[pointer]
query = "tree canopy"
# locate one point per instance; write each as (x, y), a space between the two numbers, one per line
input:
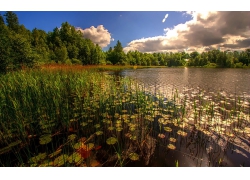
(20, 47)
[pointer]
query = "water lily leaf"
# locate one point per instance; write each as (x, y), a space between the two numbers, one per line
(171, 146)
(45, 139)
(72, 137)
(98, 133)
(172, 139)
(55, 153)
(168, 129)
(126, 121)
(118, 122)
(84, 124)
(111, 140)
(132, 128)
(124, 111)
(75, 158)
(161, 120)
(38, 158)
(61, 160)
(111, 128)
(119, 129)
(77, 145)
(97, 126)
(161, 136)
(133, 156)
(133, 138)
(182, 133)
(73, 120)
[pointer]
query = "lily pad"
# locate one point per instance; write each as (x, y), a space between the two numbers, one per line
(182, 133)
(119, 129)
(133, 138)
(38, 158)
(111, 128)
(45, 139)
(172, 139)
(72, 137)
(84, 124)
(61, 160)
(161, 120)
(171, 146)
(98, 133)
(134, 156)
(75, 158)
(97, 126)
(161, 136)
(168, 129)
(77, 145)
(111, 140)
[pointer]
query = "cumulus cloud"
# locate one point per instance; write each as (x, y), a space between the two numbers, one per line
(98, 35)
(164, 19)
(205, 30)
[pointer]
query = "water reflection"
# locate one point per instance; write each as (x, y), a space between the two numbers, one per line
(231, 81)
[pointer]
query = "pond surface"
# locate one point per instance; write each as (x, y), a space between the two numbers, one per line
(216, 84)
(230, 81)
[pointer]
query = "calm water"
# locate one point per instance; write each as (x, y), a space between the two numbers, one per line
(229, 81)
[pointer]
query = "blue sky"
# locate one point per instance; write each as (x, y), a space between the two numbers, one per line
(122, 25)
(145, 30)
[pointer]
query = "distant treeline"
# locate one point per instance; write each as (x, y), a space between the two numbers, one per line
(20, 47)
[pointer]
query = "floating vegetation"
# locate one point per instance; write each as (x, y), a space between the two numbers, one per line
(72, 137)
(171, 146)
(98, 133)
(134, 156)
(168, 129)
(162, 136)
(60, 160)
(45, 139)
(75, 158)
(182, 133)
(111, 141)
(172, 139)
(38, 158)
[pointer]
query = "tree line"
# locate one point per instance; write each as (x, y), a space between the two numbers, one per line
(20, 47)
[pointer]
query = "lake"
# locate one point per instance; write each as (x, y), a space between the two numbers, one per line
(229, 81)
(215, 86)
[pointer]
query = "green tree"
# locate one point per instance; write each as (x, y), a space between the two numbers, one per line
(5, 48)
(12, 21)
(1, 20)
(119, 57)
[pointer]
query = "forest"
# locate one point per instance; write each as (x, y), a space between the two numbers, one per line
(20, 47)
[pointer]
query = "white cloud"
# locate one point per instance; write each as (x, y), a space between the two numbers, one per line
(98, 35)
(206, 30)
(164, 19)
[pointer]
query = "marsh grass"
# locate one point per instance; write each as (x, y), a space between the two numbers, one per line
(85, 117)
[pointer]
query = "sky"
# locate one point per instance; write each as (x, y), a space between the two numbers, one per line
(149, 30)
